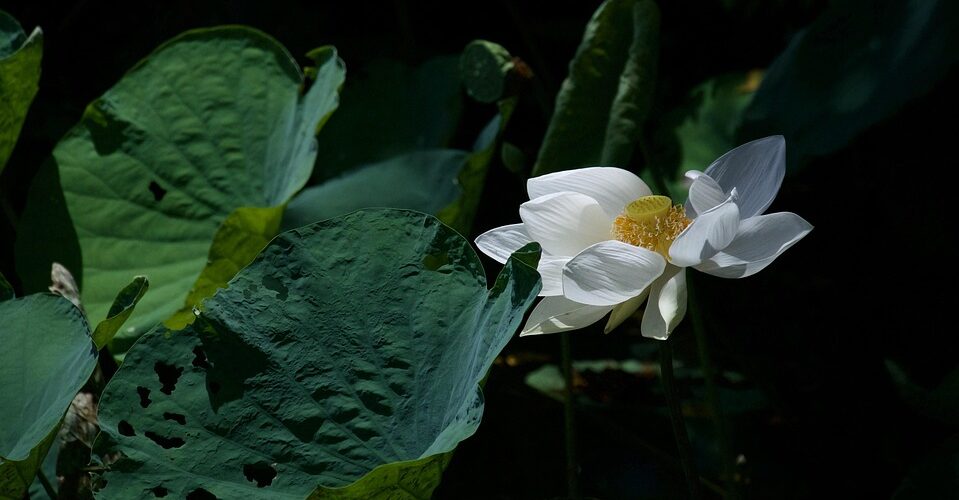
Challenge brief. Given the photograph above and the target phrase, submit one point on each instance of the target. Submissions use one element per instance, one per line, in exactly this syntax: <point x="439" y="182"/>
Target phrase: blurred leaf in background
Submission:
<point x="388" y="109"/>
<point x="855" y="65"/>
<point x="603" y="103"/>
<point x="19" y="79"/>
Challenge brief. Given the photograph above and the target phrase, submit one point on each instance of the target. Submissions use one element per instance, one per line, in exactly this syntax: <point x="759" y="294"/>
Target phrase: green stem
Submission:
<point x="46" y="485"/>
<point x="712" y="391"/>
<point x="569" y="415"/>
<point x="676" y="418"/>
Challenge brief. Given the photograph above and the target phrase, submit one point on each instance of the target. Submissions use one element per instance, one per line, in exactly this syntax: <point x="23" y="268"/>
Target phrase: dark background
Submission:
<point x="847" y="384"/>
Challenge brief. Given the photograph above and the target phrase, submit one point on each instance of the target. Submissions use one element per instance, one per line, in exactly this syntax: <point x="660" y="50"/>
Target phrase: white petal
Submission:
<point x="623" y="311"/>
<point x="756" y="169"/>
<point x="667" y="304"/>
<point x="499" y="243"/>
<point x="704" y="194"/>
<point x="610" y="272"/>
<point x="758" y="242"/>
<point x="709" y="233"/>
<point x="612" y="187"/>
<point x="551" y="271"/>
<point x="565" y="223"/>
<point x="559" y="314"/>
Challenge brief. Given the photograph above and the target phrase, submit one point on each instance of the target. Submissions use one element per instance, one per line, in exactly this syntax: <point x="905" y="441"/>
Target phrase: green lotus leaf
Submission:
<point x="603" y="102"/>
<point x="424" y="181"/>
<point x="240" y="238"/>
<point x="344" y="362"/>
<point x="19" y="78"/>
<point x="389" y="109"/>
<point x="211" y="121"/>
<point x="123" y="306"/>
<point x="47" y="356"/>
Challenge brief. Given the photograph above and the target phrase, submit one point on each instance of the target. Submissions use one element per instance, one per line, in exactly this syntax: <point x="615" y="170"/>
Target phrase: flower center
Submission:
<point x="651" y="222"/>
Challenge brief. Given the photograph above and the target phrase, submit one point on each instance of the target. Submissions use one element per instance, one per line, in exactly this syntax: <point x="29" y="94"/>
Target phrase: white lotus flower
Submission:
<point x="609" y="244"/>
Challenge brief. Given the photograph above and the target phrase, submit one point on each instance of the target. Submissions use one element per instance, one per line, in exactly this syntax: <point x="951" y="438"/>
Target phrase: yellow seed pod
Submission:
<point x="648" y="208"/>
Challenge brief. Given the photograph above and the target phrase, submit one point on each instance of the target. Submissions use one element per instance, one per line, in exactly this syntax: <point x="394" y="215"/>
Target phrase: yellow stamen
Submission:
<point x="651" y="222"/>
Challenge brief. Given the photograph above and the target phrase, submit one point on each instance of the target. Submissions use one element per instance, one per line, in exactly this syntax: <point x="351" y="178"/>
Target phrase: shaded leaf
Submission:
<point x="349" y="348"/>
<point x="935" y="476"/>
<point x="47" y="356"/>
<point x="460" y="213"/>
<point x="16" y="477"/>
<point x="240" y="238"/>
<point x="389" y="109"/>
<point x="421" y="180"/>
<point x="603" y="102"/>
<point x="855" y="65"/>
<point x="212" y="121"/>
<point x="6" y="289"/>
<point x="121" y="309"/>
<point x="19" y="77"/>
<point x="45" y="233"/>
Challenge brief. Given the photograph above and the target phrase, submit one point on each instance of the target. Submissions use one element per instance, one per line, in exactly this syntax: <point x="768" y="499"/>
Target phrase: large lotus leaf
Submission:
<point x="348" y="346"/>
<point x="211" y="121"/>
<point x="857" y="64"/>
<point x="421" y="180"/>
<point x="47" y="356"/>
<point x="389" y="109"/>
<point x="603" y="102"/>
<point x="19" y="76"/>
<point x="240" y="238"/>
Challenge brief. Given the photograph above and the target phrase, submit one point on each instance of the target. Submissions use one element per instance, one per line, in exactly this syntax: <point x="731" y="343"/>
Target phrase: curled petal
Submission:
<point x="499" y="243"/>
<point x="709" y="233"/>
<point x="613" y="188"/>
<point x="559" y="314"/>
<point x="623" y="311"/>
<point x="610" y="272"/>
<point x="565" y="223"/>
<point x="756" y="169"/>
<point x="704" y="194"/>
<point x="667" y="304"/>
<point x="758" y="242"/>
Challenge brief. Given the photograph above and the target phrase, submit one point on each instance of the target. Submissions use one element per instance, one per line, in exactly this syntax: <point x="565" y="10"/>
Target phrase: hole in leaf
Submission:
<point x="199" y="358"/>
<point x="125" y="429"/>
<point x="176" y="417"/>
<point x="277" y="286"/>
<point x="260" y="473"/>
<point x="168" y="375"/>
<point x="165" y="442"/>
<point x="159" y="491"/>
<point x="200" y="494"/>
<point x="144" y="396"/>
<point x="158" y="192"/>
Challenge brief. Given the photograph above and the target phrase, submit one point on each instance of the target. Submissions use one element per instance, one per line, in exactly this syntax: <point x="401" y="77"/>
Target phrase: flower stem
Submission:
<point x="676" y="418"/>
<point x="46" y="485"/>
<point x="712" y="392"/>
<point x="569" y="415"/>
